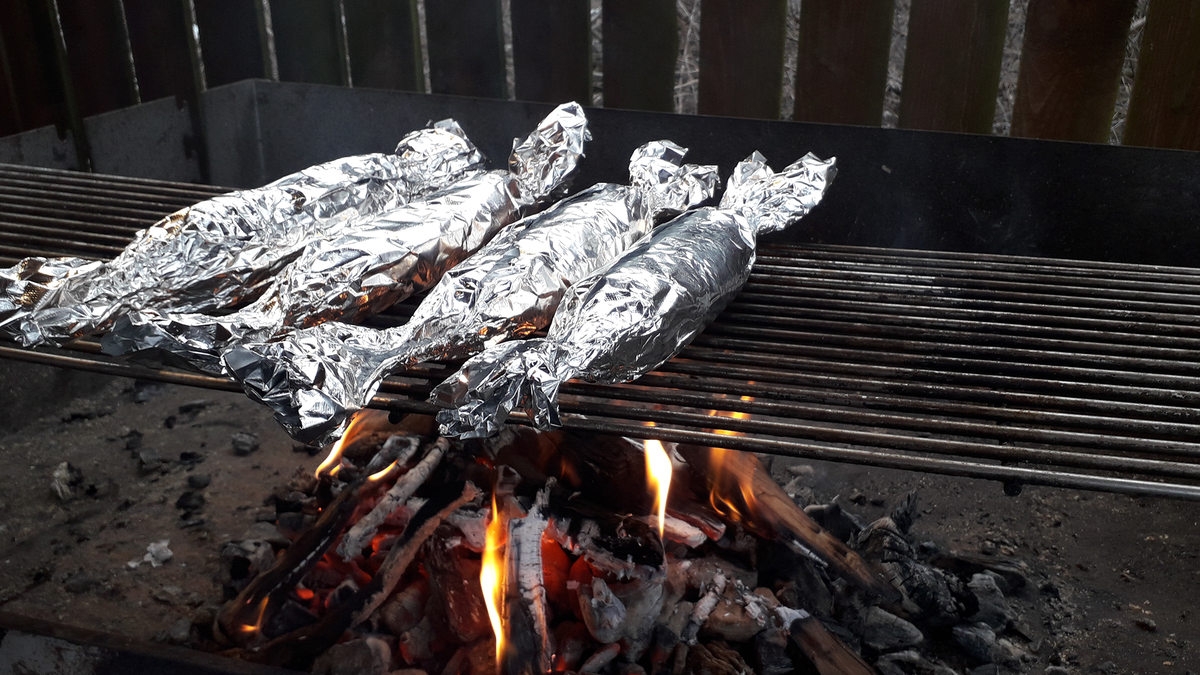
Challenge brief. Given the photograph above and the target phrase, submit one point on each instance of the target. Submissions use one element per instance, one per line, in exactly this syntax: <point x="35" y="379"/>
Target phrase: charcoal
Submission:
<point x="405" y="609"/>
<point x="601" y="658"/>
<point x="178" y="634"/>
<point x="190" y="500"/>
<point x="80" y="582"/>
<point x="994" y="610"/>
<point x="910" y="663"/>
<point x="977" y="640"/>
<point x="288" y="617"/>
<point x="242" y="561"/>
<point x="65" y="480"/>
<point x="603" y="612"/>
<point x="266" y="532"/>
<point x="571" y="639"/>
<point x="150" y="462"/>
<point x="189" y="458"/>
<point x="770" y="651"/>
<point x="133" y="439"/>
<point x="244" y="443"/>
<point x="365" y="656"/>
<point x="883" y="631"/>
<point x="199" y="481"/>
<point x="835" y="519"/>
<point x="416" y="643"/>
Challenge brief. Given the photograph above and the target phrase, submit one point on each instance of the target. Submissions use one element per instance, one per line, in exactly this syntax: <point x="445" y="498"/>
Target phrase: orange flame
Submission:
<point x="732" y="487"/>
<point x="658" y="473"/>
<point x="491" y="576"/>
<point x="380" y="475"/>
<point x="363" y="421"/>
<point x="257" y="625"/>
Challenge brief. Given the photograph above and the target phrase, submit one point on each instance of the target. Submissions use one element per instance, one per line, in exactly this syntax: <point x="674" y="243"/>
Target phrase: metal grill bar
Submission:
<point x="1067" y="373"/>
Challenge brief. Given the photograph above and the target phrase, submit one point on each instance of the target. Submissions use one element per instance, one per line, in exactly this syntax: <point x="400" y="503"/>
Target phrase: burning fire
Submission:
<point x="363" y="421"/>
<point x="257" y="625"/>
<point x="658" y="473"/>
<point x="491" y="576"/>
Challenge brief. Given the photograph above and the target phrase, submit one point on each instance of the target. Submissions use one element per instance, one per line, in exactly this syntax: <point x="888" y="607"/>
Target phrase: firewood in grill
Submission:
<point x="405" y="609"/>
<point x="828" y="655"/>
<point x="299" y="648"/>
<point x="529" y="648"/>
<point x="601" y="658"/>
<point x="454" y="587"/>
<point x="716" y="658"/>
<point x="775" y="516"/>
<point x="571" y="639"/>
<point x="403" y="553"/>
<point x="602" y="611"/>
<point x="289" y="568"/>
<point x="363" y="531"/>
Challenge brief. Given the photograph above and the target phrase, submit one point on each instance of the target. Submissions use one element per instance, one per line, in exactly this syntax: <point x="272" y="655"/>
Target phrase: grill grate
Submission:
<point x="1025" y="370"/>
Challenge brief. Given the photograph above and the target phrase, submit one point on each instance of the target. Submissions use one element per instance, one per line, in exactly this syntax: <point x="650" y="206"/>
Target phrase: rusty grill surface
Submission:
<point x="1024" y="370"/>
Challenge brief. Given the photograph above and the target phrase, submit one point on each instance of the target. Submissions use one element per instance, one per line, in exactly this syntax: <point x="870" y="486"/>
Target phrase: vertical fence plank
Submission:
<point x="10" y="116"/>
<point x="741" y="57"/>
<point x="552" y="50"/>
<point x="1164" y="111"/>
<point x="1070" y="68"/>
<point x="385" y="49"/>
<point x="841" y="64"/>
<point x="952" y="65"/>
<point x="641" y="44"/>
<point x="158" y="38"/>
<point x="231" y="43"/>
<point x="101" y="70"/>
<point x="466" y="48"/>
<point x="29" y="48"/>
<point x="307" y="41"/>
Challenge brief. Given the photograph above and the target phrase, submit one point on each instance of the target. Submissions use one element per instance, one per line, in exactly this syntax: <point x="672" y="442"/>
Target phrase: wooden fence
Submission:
<point x="63" y="60"/>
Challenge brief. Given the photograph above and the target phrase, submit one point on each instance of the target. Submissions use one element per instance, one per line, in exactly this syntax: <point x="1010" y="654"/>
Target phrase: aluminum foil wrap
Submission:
<point x="317" y="378"/>
<point x="629" y="318"/>
<point x="374" y="262"/>
<point x="215" y="254"/>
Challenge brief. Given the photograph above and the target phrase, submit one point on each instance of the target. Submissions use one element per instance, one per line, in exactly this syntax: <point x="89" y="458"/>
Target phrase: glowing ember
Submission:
<point x="658" y="473"/>
<point x="491" y="577"/>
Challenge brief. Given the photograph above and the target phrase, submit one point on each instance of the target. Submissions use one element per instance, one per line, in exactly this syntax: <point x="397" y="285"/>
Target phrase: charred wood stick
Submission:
<point x="240" y="618"/>
<point x="530" y="649"/>
<point x="402" y="554"/>
<point x="828" y="654"/>
<point x="298" y="649"/>
<point x="364" y="530"/>
<point x="774" y="514"/>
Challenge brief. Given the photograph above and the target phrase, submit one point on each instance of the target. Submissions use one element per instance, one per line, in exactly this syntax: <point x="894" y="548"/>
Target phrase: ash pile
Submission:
<point x="565" y="552"/>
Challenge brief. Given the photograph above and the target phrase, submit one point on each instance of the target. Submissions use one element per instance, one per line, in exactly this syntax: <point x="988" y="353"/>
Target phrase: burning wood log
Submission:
<point x="526" y="607"/>
<point x="242" y="618"/>
<point x="298" y="648"/>
<point x="364" y="530"/>
<point x="743" y="484"/>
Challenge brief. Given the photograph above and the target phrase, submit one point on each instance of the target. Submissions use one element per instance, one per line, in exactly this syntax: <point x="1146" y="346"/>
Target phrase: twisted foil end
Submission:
<point x="655" y="174"/>
<point x="315" y="379"/>
<point x="479" y="399"/>
<point x="541" y="163"/>
<point x="771" y="201"/>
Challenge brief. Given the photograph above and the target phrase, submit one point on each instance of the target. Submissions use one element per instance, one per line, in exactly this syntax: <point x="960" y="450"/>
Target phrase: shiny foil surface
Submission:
<point x="627" y="319"/>
<point x="375" y="261"/>
<point x="217" y="254"/>
<point x="316" y="378"/>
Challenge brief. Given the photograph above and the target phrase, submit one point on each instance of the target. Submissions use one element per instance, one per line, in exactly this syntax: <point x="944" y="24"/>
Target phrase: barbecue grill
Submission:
<point x="895" y="328"/>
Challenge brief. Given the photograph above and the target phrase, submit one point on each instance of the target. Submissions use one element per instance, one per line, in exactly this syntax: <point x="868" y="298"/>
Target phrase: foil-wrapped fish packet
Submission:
<point x="317" y="378"/>
<point x="631" y="317"/>
<point x="374" y="262"/>
<point x="215" y="254"/>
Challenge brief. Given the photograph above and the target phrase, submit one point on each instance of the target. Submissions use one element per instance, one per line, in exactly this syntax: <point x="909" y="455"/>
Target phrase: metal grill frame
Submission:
<point x="914" y="360"/>
<point x="1074" y="367"/>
